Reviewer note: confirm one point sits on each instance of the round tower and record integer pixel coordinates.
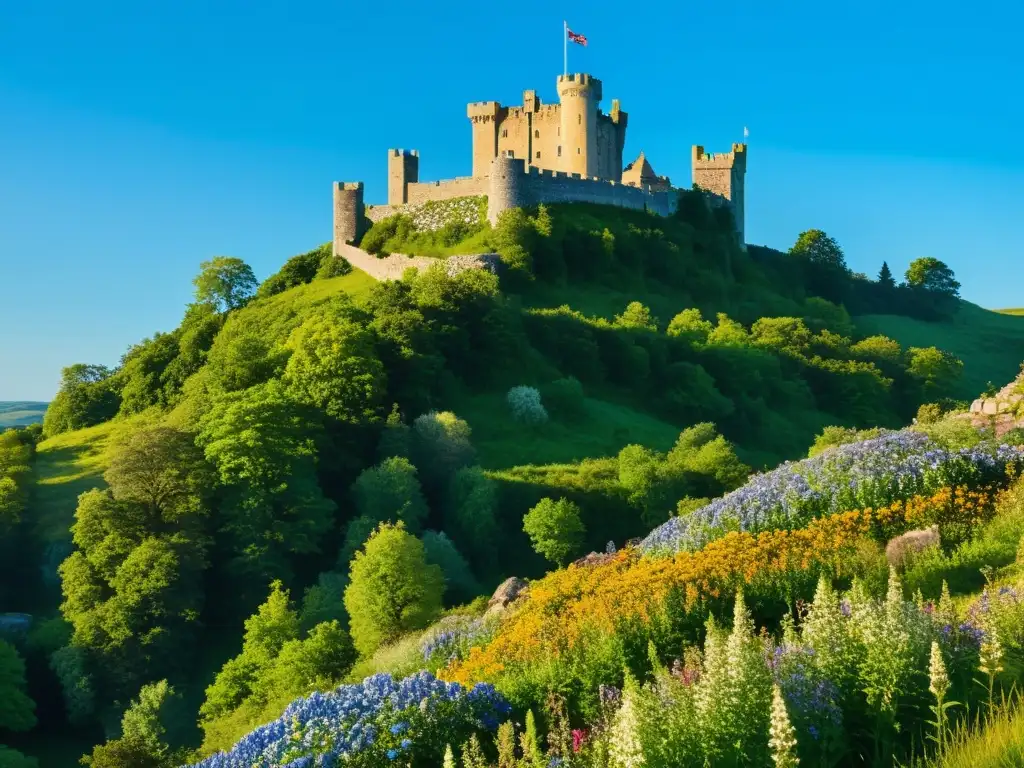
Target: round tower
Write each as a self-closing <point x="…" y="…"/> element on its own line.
<point x="580" y="97"/>
<point x="508" y="186"/>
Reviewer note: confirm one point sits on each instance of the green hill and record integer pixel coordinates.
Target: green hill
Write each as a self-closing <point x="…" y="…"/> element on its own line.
<point x="21" y="413"/>
<point x="623" y="362"/>
<point x="991" y="344"/>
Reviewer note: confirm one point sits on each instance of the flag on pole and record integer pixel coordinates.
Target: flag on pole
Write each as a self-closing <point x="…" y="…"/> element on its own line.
<point x="575" y="37"/>
<point x="746" y="133"/>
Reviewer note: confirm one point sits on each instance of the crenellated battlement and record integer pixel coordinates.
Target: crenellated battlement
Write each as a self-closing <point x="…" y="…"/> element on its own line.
<point x="579" y="78"/>
<point x="404" y="152"/>
<point x="483" y="110"/>
<point x="736" y="158"/>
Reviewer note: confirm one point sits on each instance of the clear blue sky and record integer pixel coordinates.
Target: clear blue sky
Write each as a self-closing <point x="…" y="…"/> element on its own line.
<point x="138" y="139"/>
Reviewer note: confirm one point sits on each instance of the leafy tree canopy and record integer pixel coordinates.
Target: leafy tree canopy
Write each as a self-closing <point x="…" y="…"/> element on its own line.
<point x="819" y="249"/>
<point x="392" y="588"/>
<point x="930" y="274"/>
<point x="555" y="528"/>
<point x="225" y="283"/>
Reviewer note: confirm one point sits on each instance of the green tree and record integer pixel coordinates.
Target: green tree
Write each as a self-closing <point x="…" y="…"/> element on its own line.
<point x="266" y="632"/>
<point x="819" y="249"/>
<point x="728" y="333"/>
<point x="17" y="710"/>
<point x="637" y="316"/>
<point x="334" y="366"/>
<point x="390" y="492"/>
<point x="822" y="314"/>
<point x="392" y="588"/>
<point x="85" y="398"/>
<point x="224" y="282"/>
<point x="441" y="446"/>
<point x="460" y="586"/>
<point x="160" y="468"/>
<point x="937" y="370"/>
<point x="243" y="360"/>
<point x="787" y="334"/>
<point x="470" y="516"/>
<point x="706" y="462"/>
<point x="932" y="275"/>
<point x="880" y="349"/>
<point x="690" y="326"/>
<point x="262" y="446"/>
<point x="143" y="740"/>
<point x="555" y="529"/>
<point x="885" y="278"/>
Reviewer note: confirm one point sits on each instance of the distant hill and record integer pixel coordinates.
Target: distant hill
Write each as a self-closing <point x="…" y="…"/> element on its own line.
<point x="991" y="344"/>
<point x="20" y="413"/>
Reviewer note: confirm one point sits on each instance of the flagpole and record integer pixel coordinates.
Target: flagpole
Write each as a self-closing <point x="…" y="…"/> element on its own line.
<point x="565" y="47"/>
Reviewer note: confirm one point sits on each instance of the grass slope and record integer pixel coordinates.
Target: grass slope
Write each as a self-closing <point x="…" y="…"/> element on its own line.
<point x="991" y="344"/>
<point x="21" y="413"/>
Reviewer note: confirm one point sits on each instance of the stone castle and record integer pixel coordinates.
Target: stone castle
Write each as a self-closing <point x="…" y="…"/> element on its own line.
<point x="546" y="153"/>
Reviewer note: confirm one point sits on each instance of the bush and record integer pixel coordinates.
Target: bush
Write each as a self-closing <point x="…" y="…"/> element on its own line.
<point x="565" y="398"/>
<point x="333" y="266"/>
<point x="526" y="407"/>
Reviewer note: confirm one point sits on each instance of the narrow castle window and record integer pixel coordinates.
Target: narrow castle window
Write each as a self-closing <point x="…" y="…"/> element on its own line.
<point x="579" y="119"/>
<point x="538" y="155"/>
<point x="504" y="133"/>
<point x="536" y="134"/>
<point x="509" y="153"/>
<point x="559" y="130"/>
<point x="579" y="151"/>
<point x="559" y="151"/>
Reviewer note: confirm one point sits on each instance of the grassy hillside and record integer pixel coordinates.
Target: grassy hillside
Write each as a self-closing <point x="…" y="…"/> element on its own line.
<point x="21" y="413"/>
<point x="991" y="344"/>
<point x="1011" y="311"/>
<point x="609" y="330"/>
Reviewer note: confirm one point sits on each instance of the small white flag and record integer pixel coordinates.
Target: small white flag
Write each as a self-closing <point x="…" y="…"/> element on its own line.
<point x="746" y="133"/>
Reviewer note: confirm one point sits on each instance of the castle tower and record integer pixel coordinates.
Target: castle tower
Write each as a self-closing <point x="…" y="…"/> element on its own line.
<point x="403" y="169"/>
<point x="348" y="213"/>
<point x="722" y="175"/>
<point x="485" y="116"/>
<point x="580" y="96"/>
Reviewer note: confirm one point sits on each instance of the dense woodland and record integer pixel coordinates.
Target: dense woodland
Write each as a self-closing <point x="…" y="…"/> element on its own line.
<point x="291" y="483"/>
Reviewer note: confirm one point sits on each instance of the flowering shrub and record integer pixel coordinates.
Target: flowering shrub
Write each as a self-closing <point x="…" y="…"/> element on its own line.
<point x="876" y="472"/>
<point x="827" y="692"/>
<point x="452" y="637"/>
<point x="567" y="605"/>
<point x="369" y="724"/>
<point x="525" y="404"/>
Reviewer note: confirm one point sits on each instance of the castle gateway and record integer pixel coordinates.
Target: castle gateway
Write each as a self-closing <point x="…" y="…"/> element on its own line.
<point x="546" y="153"/>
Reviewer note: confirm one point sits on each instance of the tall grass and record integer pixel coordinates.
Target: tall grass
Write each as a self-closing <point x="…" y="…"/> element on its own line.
<point x="996" y="742"/>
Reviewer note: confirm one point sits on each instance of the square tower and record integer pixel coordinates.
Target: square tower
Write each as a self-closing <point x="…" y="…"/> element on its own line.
<point x="722" y="176"/>
<point x="403" y="169"/>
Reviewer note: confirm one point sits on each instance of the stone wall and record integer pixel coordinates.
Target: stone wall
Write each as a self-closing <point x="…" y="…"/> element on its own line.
<point x="393" y="267"/>
<point x="461" y="186"/>
<point x="433" y="214"/>
<point x="513" y="185"/>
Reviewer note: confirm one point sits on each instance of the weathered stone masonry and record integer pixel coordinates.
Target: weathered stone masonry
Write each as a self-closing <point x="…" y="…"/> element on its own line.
<point x="546" y="153"/>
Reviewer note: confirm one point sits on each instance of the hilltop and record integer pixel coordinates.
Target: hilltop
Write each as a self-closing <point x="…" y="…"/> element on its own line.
<point x="623" y="369"/>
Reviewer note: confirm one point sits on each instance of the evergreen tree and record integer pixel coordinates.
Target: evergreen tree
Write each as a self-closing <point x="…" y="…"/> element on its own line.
<point x="885" y="278"/>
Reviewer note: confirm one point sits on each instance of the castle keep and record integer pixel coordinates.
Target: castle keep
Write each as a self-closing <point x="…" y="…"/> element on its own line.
<point x="546" y="153"/>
